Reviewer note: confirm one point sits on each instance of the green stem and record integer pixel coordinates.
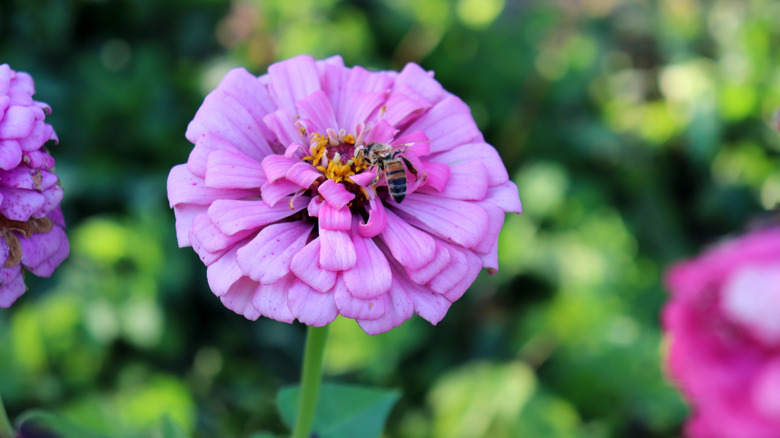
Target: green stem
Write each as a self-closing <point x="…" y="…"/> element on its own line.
<point x="310" y="381"/>
<point x="6" y="431"/>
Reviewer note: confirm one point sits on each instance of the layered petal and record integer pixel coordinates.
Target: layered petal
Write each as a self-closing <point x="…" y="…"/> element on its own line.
<point x="464" y="223"/>
<point x="267" y="257"/>
<point x="370" y="277"/>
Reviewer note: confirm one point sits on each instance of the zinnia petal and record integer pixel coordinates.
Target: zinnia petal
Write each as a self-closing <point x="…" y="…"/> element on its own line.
<point x="306" y="265"/>
<point x="370" y="277"/>
<point x="267" y="257"/>
<point x="448" y="124"/>
<point x="357" y="308"/>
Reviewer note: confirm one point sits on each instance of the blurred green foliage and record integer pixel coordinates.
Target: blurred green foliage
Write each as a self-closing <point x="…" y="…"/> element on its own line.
<point x="636" y="131"/>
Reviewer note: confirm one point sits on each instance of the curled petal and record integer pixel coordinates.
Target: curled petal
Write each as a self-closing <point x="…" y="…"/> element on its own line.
<point x="334" y="218"/>
<point x="306" y="266"/>
<point x="377" y="219"/>
<point x="277" y="166"/>
<point x="303" y="174"/>
<point x="273" y="192"/>
<point x="336" y="194"/>
<point x="363" y="179"/>
<point x="314" y="207"/>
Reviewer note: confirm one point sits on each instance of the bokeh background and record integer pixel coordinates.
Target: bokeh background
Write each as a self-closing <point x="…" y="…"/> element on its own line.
<point x="637" y="132"/>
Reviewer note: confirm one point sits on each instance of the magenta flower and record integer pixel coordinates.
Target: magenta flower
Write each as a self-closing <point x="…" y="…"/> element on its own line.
<point x="31" y="223"/>
<point x="285" y="195"/>
<point x="725" y="337"/>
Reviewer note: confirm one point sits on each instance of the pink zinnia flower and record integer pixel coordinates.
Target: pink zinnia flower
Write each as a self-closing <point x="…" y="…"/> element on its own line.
<point x="279" y="196"/>
<point x="31" y="223"/>
<point x="724" y="322"/>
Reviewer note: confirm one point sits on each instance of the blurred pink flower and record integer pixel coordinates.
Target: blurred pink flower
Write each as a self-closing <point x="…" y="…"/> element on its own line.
<point x="31" y="223"/>
<point x="724" y="322"/>
<point x="284" y="214"/>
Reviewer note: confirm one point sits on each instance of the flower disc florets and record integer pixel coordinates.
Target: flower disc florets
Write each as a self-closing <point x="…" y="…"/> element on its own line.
<point x="31" y="223"/>
<point x="297" y="216"/>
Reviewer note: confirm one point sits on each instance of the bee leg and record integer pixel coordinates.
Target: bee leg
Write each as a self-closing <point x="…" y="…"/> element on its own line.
<point x="380" y="169"/>
<point x="410" y="167"/>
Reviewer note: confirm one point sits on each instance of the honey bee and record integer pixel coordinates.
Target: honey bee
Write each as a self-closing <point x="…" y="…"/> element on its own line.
<point x="388" y="160"/>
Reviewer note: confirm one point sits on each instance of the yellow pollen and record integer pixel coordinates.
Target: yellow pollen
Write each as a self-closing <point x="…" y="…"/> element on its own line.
<point x="335" y="169"/>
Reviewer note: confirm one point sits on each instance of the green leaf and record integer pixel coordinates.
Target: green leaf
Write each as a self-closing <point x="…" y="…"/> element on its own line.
<point x="343" y="411"/>
<point x="41" y="424"/>
<point x="263" y="435"/>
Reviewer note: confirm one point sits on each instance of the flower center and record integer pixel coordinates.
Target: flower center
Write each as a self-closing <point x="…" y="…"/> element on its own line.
<point x="332" y="155"/>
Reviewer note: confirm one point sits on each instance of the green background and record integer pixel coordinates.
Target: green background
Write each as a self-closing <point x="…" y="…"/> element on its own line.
<point x="637" y="132"/>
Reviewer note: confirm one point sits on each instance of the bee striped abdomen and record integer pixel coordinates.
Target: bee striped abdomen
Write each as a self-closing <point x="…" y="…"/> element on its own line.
<point x="396" y="180"/>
